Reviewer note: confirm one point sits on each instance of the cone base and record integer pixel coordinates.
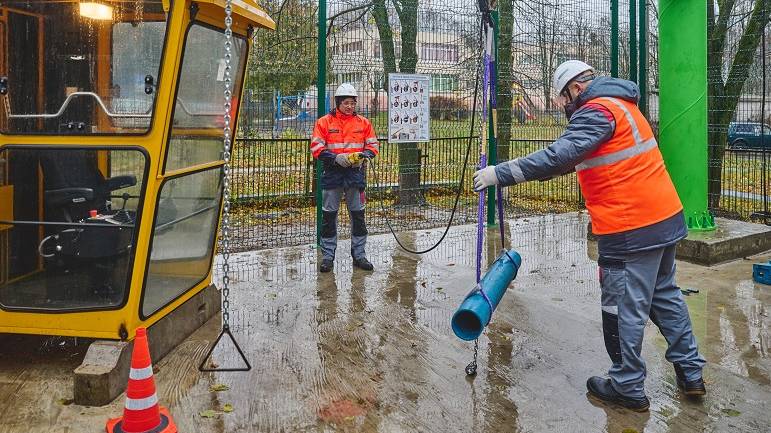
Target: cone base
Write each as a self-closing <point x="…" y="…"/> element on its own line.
<point x="166" y="426"/>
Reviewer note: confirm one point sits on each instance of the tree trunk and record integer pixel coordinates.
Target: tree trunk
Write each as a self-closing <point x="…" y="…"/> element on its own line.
<point x="504" y="84"/>
<point x="380" y="14"/>
<point x="410" y="189"/>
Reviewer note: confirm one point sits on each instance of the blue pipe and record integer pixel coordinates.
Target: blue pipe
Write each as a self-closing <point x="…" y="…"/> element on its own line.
<point x="475" y="312"/>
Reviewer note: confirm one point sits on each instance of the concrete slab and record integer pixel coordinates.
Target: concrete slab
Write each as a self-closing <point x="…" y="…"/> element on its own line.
<point x="103" y="374"/>
<point x="353" y="351"/>
<point x="730" y="241"/>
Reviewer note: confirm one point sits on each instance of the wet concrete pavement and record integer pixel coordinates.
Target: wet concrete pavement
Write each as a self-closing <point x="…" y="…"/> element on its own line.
<point x="374" y="352"/>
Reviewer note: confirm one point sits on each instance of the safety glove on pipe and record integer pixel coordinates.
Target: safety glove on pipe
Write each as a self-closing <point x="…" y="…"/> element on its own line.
<point x="484" y="178"/>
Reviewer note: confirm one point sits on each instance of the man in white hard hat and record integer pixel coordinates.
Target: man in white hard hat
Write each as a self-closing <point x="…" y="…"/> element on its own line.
<point x="343" y="141"/>
<point x="637" y="217"/>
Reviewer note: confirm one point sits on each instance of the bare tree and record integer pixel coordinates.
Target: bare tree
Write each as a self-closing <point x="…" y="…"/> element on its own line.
<point x="410" y="192"/>
<point x="728" y="69"/>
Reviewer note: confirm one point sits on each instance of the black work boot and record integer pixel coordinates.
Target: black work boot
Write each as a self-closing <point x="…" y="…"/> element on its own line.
<point x="363" y="263"/>
<point x="600" y="388"/>
<point x="689" y="387"/>
<point x="326" y="265"/>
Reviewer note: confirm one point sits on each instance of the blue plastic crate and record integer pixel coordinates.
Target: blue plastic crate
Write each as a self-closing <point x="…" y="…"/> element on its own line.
<point x="761" y="273"/>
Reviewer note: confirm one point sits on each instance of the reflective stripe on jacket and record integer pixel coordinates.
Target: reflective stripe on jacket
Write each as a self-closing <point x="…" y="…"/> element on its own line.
<point x="624" y="181"/>
<point x="341" y="133"/>
<point x="337" y="133"/>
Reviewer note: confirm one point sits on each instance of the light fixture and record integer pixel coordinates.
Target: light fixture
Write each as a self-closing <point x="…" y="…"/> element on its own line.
<point x="95" y="11"/>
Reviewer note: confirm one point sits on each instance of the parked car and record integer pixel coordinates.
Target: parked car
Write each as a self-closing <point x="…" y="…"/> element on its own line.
<point x="747" y="135"/>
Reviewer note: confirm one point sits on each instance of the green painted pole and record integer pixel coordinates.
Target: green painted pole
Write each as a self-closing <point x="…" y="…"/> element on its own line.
<point x="492" y="118"/>
<point x="614" y="38"/>
<point x="683" y="104"/>
<point x="633" y="40"/>
<point x="643" y="53"/>
<point x="321" y="102"/>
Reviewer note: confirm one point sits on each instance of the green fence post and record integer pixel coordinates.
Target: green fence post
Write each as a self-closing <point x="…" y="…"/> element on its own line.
<point x="633" y="40"/>
<point x="321" y="101"/>
<point x="643" y="76"/>
<point x="492" y="148"/>
<point x="614" y="38"/>
<point x="683" y="104"/>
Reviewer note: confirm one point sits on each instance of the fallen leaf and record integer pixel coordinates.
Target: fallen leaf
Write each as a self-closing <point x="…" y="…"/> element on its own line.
<point x="731" y="412"/>
<point x="65" y="401"/>
<point x="349" y="418"/>
<point x="218" y="387"/>
<point x="227" y="408"/>
<point x="208" y="414"/>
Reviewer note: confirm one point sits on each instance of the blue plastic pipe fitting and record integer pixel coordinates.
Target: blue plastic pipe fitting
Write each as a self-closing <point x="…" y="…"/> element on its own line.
<point x="477" y="308"/>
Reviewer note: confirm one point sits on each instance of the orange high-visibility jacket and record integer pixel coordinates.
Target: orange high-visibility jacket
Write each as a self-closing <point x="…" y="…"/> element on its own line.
<point x="624" y="182"/>
<point x="341" y="133"/>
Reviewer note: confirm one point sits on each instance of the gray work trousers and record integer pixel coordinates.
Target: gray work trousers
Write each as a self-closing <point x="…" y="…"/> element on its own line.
<point x="354" y="200"/>
<point x="637" y="286"/>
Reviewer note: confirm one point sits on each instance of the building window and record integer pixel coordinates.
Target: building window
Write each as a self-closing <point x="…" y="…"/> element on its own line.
<point x="439" y="52"/>
<point x="379" y="52"/>
<point x="348" y="47"/>
<point x="444" y="83"/>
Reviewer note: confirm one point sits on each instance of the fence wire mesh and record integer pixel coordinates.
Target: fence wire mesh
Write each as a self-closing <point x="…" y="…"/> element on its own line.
<point x="413" y="185"/>
<point x="739" y="114"/>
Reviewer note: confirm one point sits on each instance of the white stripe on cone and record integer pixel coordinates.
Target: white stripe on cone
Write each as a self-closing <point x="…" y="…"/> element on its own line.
<point x="141" y="403"/>
<point x="141" y="373"/>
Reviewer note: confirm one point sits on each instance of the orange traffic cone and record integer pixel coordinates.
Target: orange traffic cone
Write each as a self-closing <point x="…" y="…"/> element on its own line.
<point x="142" y="413"/>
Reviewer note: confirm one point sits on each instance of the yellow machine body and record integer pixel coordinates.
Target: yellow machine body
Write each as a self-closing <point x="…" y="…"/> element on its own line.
<point x="111" y="158"/>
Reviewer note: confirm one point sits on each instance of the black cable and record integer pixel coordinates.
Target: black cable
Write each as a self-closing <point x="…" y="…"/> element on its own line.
<point x="463" y="171"/>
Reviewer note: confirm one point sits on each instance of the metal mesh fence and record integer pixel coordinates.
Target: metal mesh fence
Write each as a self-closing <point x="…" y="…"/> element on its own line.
<point x="413" y="185"/>
<point x="739" y="114"/>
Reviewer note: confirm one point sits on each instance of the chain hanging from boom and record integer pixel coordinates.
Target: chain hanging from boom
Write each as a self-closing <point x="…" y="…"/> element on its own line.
<point x="488" y="96"/>
<point x="225" y="225"/>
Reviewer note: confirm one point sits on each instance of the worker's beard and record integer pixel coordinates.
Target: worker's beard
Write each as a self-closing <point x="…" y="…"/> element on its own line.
<point x="570" y="108"/>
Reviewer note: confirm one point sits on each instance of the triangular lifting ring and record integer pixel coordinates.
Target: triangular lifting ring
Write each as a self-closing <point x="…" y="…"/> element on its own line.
<point x="225" y="331"/>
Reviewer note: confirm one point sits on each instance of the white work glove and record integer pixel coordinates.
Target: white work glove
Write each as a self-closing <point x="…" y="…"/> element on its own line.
<point x="484" y="178"/>
<point x="342" y="160"/>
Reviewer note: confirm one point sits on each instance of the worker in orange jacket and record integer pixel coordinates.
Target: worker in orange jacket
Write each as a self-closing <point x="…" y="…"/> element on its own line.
<point x="344" y="141"/>
<point x="637" y="217"/>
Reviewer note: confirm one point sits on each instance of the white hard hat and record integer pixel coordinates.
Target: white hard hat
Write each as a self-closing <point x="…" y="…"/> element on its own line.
<point x="567" y="71"/>
<point x="346" y="89"/>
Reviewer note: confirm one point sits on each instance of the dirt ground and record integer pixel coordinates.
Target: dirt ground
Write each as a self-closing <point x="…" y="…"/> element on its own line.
<point x="374" y="352"/>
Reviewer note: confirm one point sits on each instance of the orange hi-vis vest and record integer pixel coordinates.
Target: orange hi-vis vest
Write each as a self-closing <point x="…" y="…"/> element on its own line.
<point x="341" y="133"/>
<point x="624" y="182"/>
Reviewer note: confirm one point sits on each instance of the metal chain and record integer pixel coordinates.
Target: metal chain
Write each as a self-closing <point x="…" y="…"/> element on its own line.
<point x="227" y="131"/>
<point x="471" y="368"/>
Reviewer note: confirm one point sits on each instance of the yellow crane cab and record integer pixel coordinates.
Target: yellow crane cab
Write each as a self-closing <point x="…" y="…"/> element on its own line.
<point x="111" y="162"/>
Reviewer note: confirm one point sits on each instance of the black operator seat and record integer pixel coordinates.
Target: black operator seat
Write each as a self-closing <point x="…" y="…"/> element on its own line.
<point x="74" y="185"/>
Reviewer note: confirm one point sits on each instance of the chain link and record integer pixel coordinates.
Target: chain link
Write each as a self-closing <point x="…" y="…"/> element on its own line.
<point x="227" y="131"/>
<point x="471" y="368"/>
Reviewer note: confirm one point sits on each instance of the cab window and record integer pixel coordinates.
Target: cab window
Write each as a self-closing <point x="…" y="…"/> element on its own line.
<point x="75" y="70"/>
